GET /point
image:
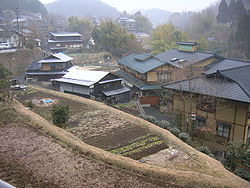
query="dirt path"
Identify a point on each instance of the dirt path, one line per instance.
(30, 159)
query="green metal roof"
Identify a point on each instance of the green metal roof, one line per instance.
(141, 63)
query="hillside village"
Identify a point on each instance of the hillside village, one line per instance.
(112, 101)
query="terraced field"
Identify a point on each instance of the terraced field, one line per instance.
(98, 127)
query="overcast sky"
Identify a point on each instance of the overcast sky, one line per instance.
(170, 5)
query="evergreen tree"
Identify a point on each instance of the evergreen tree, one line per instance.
(232, 10)
(243, 34)
(240, 9)
(222, 16)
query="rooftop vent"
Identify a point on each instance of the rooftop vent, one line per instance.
(182, 60)
(174, 59)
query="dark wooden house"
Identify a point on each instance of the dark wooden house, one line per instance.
(64, 41)
(53, 66)
(93, 84)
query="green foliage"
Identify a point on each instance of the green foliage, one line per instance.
(185, 137)
(142, 23)
(223, 16)
(30, 104)
(164, 37)
(4, 75)
(205, 150)
(165, 125)
(112, 38)
(203, 44)
(237, 159)
(243, 34)
(82, 26)
(60, 114)
(175, 132)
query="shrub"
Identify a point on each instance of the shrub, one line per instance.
(237, 159)
(30, 104)
(165, 124)
(175, 131)
(205, 150)
(185, 137)
(243, 173)
(60, 114)
(158, 123)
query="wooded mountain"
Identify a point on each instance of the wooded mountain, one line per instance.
(82, 8)
(157, 16)
(34, 6)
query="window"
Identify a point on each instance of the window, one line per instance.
(200, 121)
(164, 76)
(58, 45)
(223, 129)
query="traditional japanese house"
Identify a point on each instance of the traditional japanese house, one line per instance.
(146, 73)
(216, 107)
(64, 41)
(52, 66)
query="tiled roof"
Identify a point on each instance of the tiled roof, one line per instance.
(241, 75)
(225, 65)
(190, 57)
(217, 87)
(141, 63)
(136, 82)
(34, 66)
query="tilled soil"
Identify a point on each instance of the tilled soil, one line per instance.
(94, 126)
(30, 159)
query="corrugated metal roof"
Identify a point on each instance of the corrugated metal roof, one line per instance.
(58, 57)
(141, 63)
(65, 34)
(108, 81)
(46, 73)
(76, 73)
(116, 91)
(77, 82)
(216, 87)
(190, 57)
(225, 65)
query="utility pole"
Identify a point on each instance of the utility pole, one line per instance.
(17, 19)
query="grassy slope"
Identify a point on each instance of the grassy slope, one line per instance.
(211, 172)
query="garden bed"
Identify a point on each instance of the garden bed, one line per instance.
(97, 127)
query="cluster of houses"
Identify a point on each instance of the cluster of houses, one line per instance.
(210, 92)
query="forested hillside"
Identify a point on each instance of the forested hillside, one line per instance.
(82, 8)
(25, 5)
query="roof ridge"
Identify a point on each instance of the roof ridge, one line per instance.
(228, 58)
(234, 68)
(239, 84)
(175, 82)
